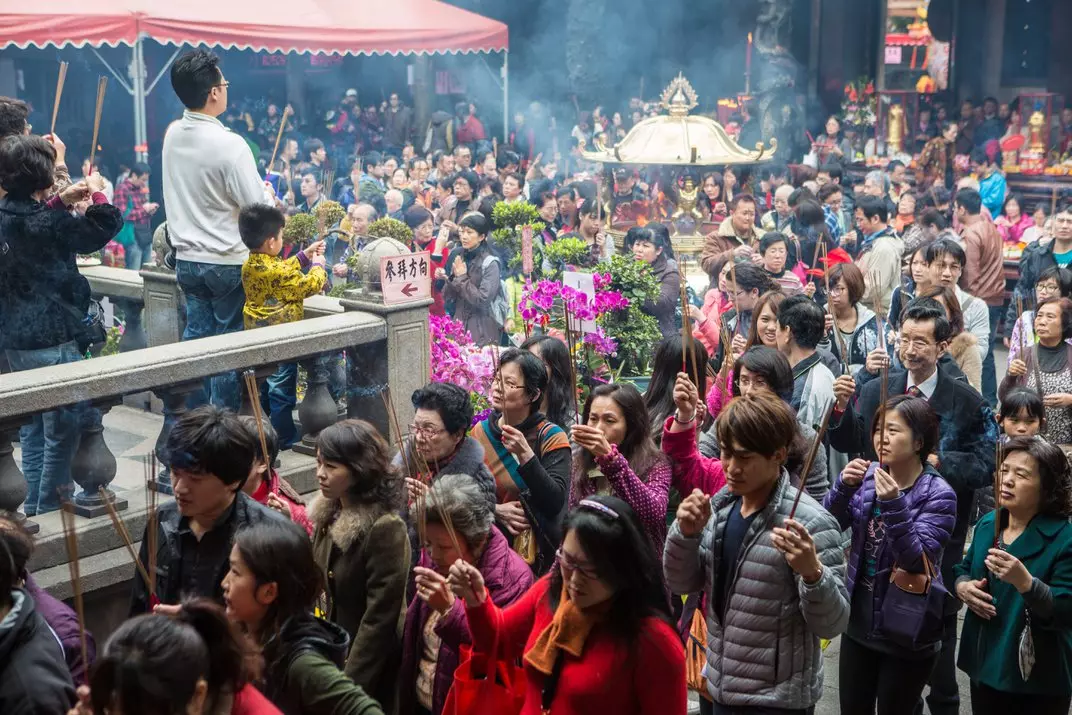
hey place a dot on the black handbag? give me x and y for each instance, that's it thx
(911, 612)
(93, 331)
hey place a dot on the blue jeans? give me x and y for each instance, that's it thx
(214, 301)
(282, 388)
(990, 378)
(51, 439)
(139, 252)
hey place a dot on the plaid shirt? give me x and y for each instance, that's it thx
(833, 223)
(130, 200)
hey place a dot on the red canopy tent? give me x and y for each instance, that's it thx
(358, 27)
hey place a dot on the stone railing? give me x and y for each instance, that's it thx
(384, 346)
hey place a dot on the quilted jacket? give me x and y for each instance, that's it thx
(767, 652)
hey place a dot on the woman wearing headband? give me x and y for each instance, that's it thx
(595, 633)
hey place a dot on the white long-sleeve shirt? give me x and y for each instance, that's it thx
(209, 176)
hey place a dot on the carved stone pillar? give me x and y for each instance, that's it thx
(12, 481)
(401, 361)
(174, 399)
(134, 332)
(319, 409)
(165, 310)
(93, 466)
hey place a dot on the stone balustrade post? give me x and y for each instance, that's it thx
(401, 360)
(318, 409)
(93, 466)
(133, 330)
(165, 312)
(12, 481)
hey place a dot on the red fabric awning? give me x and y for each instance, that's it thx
(328, 26)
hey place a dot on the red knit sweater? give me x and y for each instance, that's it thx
(601, 680)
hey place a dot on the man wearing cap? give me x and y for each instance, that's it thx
(626, 190)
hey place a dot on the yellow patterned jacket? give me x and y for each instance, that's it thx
(275, 288)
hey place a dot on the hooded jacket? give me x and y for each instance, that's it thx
(507, 578)
(765, 652)
(365, 556)
(919, 521)
(303, 671)
(33, 675)
(664, 308)
(43, 297)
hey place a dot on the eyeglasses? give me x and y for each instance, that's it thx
(568, 563)
(917, 343)
(1047, 287)
(756, 382)
(426, 430)
(224, 83)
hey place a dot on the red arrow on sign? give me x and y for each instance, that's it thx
(409, 289)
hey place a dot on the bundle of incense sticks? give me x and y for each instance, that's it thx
(810, 459)
(59, 93)
(124, 534)
(151, 497)
(736, 307)
(71, 539)
(842, 347)
(279, 136)
(102, 85)
(254, 398)
(687, 350)
(1020, 317)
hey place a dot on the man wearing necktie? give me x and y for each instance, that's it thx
(964, 456)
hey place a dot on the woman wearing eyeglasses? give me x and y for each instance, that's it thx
(855, 328)
(594, 635)
(529, 458)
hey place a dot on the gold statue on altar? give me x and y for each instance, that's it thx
(1035, 126)
(895, 133)
(687, 200)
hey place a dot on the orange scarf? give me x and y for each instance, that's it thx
(567, 631)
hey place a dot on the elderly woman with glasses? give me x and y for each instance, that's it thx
(436, 625)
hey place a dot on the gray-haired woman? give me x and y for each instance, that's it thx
(436, 625)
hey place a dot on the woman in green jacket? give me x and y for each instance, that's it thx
(1016, 645)
(271, 590)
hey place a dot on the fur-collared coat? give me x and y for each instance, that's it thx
(964, 349)
(365, 554)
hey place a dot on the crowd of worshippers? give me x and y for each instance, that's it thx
(836, 468)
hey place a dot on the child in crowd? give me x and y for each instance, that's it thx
(276, 289)
(1022, 413)
(264, 483)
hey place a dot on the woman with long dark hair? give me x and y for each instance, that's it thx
(763, 331)
(529, 456)
(595, 635)
(1016, 646)
(271, 590)
(362, 544)
(901, 513)
(615, 453)
(557, 400)
(659, 397)
(711, 199)
(651, 244)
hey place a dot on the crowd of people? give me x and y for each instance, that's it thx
(837, 464)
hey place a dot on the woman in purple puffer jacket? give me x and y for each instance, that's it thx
(898, 516)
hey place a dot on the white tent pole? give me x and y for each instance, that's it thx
(137, 70)
(506, 95)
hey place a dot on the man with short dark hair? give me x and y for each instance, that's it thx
(945, 260)
(311, 190)
(314, 153)
(992, 185)
(210, 453)
(736, 236)
(209, 176)
(801, 325)
(512, 185)
(984, 274)
(33, 675)
(964, 455)
(879, 258)
(397, 125)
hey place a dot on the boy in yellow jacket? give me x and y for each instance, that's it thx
(276, 289)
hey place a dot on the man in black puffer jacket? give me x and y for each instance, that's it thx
(43, 298)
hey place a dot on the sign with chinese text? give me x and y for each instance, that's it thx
(406, 277)
(584, 283)
(526, 250)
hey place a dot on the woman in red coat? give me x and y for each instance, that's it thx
(594, 634)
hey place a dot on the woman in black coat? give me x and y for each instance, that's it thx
(43, 298)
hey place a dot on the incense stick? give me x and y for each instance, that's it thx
(1020, 316)
(102, 85)
(71, 539)
(573, 364)
(812, 452)
(1053, 210)
(124, 534)
(999, 459)
(153, 536)
(687, 349)
(736, 307)
(279, 136)
(59, 93)
(258, 417)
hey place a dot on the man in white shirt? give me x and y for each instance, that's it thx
(209, 175)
